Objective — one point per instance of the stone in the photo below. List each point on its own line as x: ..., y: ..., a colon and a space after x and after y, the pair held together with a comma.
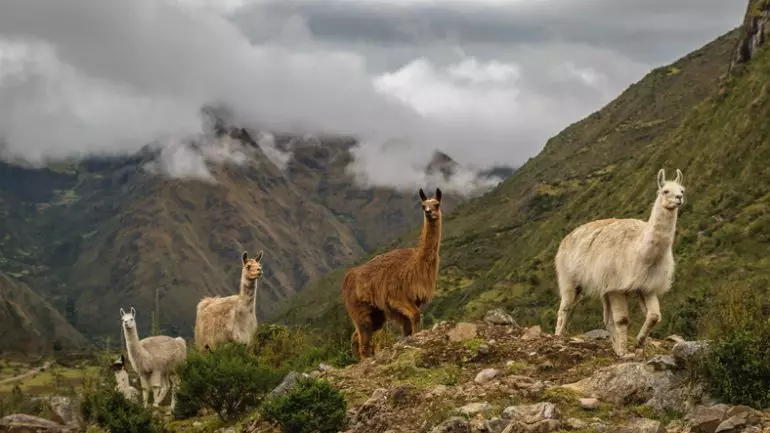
x: 462, y: 331
x: 642, y: 425
x: 663, y: 362
x: 486, y: 375
x: 544, y: 426
x: 471, y: 409
x: 531, y: 413
x: 706, y: 419
x: 499, y: 317
x: 576, y: 424
x: 675, y: 338
x: 483, y: 349
x: 288, y: 383
x: 62, y: 410
x: 401, y: 395
x: 23, y: 423
x: 597, y: 334
x: 689, y: 352
x: 734, y: 424
x: 532, y: 332
x: 589, y: 403
x: 496, y: 425
x: 324, y: 367
x: 453, y: 425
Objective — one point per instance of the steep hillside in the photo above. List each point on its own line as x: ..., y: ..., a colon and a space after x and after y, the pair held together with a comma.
x: 498, y: 249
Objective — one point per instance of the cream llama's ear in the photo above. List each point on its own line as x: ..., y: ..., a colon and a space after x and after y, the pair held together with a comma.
x: 422, y: 195
x: 133, y: 312
x: 661, y: 178
x: 122, y: 313
x: 259, y: 255
x: 438, y: 194
x: 679, y: 176
x: 244, y: 257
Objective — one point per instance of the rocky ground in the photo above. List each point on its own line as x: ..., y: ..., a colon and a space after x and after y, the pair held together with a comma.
x: 494, y: 376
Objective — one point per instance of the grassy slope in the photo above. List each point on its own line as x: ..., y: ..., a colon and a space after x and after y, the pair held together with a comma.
x: 498, y: 249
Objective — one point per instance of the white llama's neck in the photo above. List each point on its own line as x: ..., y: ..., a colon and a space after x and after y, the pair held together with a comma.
x: 136, y: 353
x: 661, y: 228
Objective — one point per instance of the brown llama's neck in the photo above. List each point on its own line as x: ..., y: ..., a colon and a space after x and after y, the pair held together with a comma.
x: 661, y: 229
x: 430, y: 240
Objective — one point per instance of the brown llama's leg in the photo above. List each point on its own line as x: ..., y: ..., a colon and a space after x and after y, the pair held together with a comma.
x: 406, y: 324
x: 365, y: 339
x: 355, y: 347
x: 363, y: 316
x: 413, y: 314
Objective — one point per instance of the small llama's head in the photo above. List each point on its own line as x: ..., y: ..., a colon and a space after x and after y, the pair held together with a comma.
x: 128, y: 318
x: 252, y: 267
x: 431, y: 206
x: 671, y: 192
x: 119, y: 364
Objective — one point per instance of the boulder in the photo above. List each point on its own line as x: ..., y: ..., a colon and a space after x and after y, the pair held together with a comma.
x: 452, y: 425
x: 486, y: 375
x: 23, y: 423
x: 462, y: 331
x: 500, y: 317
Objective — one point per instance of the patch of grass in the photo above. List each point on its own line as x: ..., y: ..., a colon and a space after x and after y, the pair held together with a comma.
x: 516, y: 367
x: 407, y: 369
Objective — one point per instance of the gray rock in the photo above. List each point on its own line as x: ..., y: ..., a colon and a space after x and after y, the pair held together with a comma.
x: 474, y: 408
x: 641, y: 425
x: 288, y: 383
x: 486, y: 375
x: 62, y: 410
x: 706, y: 419
x: 734, y: 424
x: 597, y: 334
x: 663, y: 362
x: 500, y: 317
x: 544, y: 426
x: 462, y: 331
x: 576, y: 423
x: 689, y: 352
x: 532, y: 332
x: 23, y: 423
x: 452, y: 425
x: 496, y: 425
x: 531, y: 413
x: 589, y: 403
x: 675, y: 338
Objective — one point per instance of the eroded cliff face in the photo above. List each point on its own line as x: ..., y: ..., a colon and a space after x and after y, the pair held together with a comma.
x: 755, y: 31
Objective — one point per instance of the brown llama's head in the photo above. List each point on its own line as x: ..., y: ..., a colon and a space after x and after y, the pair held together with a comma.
x: 252, y: 268
x: 431, y: 206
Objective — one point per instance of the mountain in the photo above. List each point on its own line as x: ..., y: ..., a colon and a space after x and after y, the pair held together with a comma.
x: 92, y: 236
x: 498, y: 249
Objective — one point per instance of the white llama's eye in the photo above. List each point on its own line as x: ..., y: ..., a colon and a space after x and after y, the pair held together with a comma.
x: 665, y: 191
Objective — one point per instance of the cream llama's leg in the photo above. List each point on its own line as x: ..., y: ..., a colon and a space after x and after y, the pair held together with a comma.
x: 619, y: 304
x: 570, y: 296
x: 145, y: 382
x: 157, y: 384
x: 652, y: 318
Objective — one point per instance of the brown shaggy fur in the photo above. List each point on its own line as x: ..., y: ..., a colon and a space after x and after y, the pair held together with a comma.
x: 396, y: 284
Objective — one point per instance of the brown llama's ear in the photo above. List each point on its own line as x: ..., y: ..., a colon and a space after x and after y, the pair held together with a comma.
x: 422, y: 195
x: 259, y: 255
x: 438, y: 194
x: 244, y: 257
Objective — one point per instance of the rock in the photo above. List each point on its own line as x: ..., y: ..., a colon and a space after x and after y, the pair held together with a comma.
x: 597, y: 334
x: 500, y: 317
x: 663, y: 362
x: 531, y: 413
x: 315, y: 374
x: 474, y: 408
x: 576, y: 424
x: 589, y: 403
x: 462, y: 331
x: 22, y: 423
x: 401, y: 395
x: 675, y: 338
x: 532, y: 332
x: 484, y: 349
x: 496, y: 425
x: 706, y: 419
x: 544, y: 426
x: 689, y: 352
x: 486, y: 375
x: 288, y: 382
x: 63, y: 413
x: 641, y: 425
x: 734, y: 424
x: 452, y: 425
x: 369, y: 415
x: 324, y: 367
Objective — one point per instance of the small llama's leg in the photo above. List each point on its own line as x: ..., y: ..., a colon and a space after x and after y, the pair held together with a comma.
x: 619, y: 304
x: 570, y: 296
x: 652, y: 318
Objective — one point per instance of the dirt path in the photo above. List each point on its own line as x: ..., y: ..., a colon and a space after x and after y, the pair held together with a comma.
x: 28, y: 373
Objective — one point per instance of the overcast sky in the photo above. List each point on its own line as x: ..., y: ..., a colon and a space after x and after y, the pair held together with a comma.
x: 487, y: 81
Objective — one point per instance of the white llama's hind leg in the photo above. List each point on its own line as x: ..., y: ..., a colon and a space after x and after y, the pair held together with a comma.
x: 619, y: 304
x: 164, y: 388
x: 156, y: 381
x: 145, y: 382
x: 652, y: 317
x: 174, y: 387
x: 570, y: 296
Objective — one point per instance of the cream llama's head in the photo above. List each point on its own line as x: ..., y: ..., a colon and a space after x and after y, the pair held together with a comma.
x: 128, y: 318
x: 252, y: 268
x: 431, y: 206
x: 671, y: 192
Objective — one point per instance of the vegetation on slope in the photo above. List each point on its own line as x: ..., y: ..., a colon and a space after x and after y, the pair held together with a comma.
x: 498, y: 249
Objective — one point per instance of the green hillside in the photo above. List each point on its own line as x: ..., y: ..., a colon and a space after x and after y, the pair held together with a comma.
x: 498, y: 249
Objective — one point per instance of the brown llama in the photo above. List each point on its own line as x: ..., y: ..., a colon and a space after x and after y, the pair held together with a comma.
x: 396, y: 284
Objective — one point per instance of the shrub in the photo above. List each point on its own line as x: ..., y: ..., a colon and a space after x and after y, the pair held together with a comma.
x: 228, y: 380
x: 297, y: 348
x: 103, y: 405
x: 311, y: 406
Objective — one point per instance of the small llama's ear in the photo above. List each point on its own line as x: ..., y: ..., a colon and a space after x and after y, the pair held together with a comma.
x: 679, y: 176
x: 259, y: 255
x: 422, y: 195
x: 133, y: 312
x: 122, y: 359
x: 661, y: 178
x: 438, y: 194
x: 244, y: 257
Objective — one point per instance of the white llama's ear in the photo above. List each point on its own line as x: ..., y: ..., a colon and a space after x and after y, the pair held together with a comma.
x: 438, y: 194
x: 679, y: 176
x: 661, y: 178
x: 122, y: 313
x: 259, y: 255
x: 133, y: 312
x: 422, y: 195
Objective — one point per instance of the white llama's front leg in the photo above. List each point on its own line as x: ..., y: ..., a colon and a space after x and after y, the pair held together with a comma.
x: 570, y: 296
x: 174, y: 388
x: 619, y: 304
x: 652, y: 318
x: 145, y: 382
x: 608, y: 319
x: 157, y: 385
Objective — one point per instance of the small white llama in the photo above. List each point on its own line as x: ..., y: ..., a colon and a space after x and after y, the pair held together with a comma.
x: 620, y: 258
x: 231, y: 318
x: 154, y: 359
x: 122, y: 384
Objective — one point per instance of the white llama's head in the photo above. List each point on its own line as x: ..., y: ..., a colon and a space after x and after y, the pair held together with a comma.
x: 431, y: 206
x: 671, y: 192
x: 252, y: 267
x: 128, y: 318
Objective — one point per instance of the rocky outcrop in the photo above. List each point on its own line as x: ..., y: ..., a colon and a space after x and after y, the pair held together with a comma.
x: 754, y: 32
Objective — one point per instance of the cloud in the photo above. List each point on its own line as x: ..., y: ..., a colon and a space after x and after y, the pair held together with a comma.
x: 486, y: 82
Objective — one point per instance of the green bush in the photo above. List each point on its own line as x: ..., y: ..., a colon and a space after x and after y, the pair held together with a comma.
x: 298, y: 349
x: 103, y: 405
x: 229, y: 380
x: 311, y: 406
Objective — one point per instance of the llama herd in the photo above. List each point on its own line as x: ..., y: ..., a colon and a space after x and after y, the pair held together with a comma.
x: 612, y: 259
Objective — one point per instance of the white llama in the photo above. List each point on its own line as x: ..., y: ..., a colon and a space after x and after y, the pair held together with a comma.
x: 154, y: 359
x: 618, y: 258
x: 122, y: 384
x: 231, y: 318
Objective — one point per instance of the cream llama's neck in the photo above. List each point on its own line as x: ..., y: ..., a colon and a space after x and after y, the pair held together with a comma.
x: 430, y: 240
x: 248, y: 293
x: 661, y: 229
x: 121, y: 378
